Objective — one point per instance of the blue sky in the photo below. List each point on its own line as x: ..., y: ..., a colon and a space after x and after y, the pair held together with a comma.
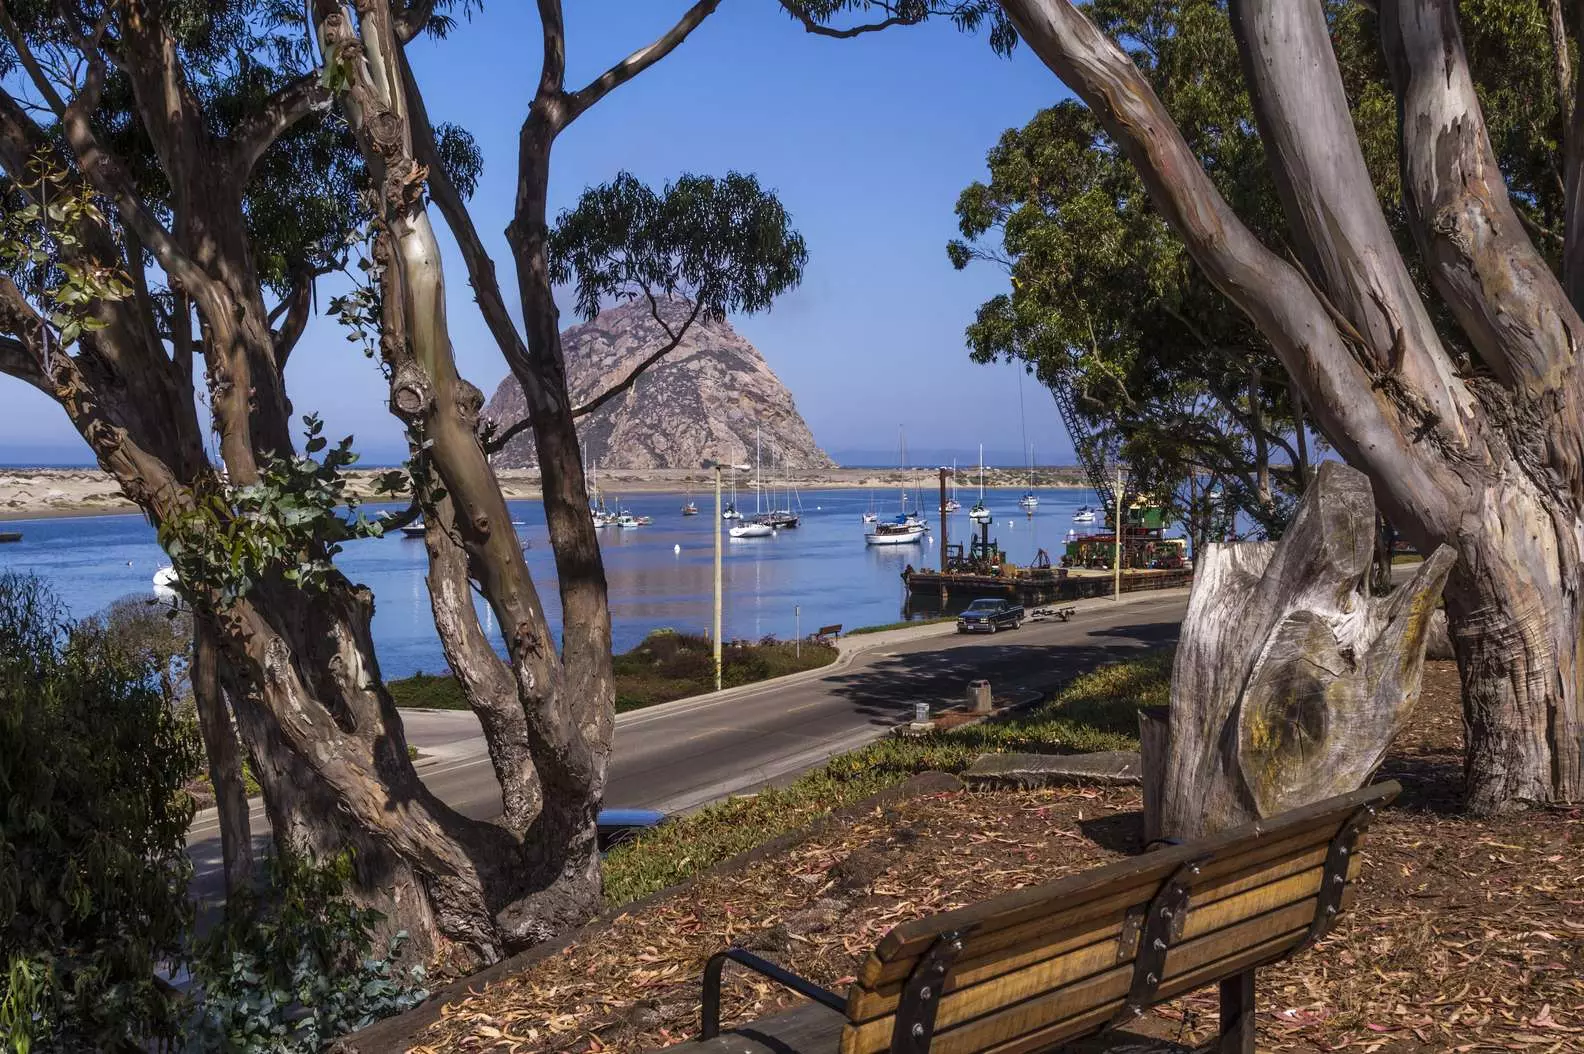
x: 867, y: 142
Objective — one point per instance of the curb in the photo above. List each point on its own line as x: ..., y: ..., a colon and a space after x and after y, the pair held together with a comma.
x: 394, y: 1034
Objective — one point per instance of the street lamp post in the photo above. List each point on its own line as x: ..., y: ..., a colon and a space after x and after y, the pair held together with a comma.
x: 718, y: 522
x: 717, y: 466
x: 1116, y: 563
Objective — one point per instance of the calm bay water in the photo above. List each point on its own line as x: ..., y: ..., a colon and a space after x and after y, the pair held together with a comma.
x: 822, y: 567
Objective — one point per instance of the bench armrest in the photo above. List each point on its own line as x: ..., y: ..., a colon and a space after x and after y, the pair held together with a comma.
x: 712, y: 986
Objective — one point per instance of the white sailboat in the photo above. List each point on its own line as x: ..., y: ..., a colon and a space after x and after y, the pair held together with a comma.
x: 730, y: 511
x: 979, y: 513
x: 756, y: 527
x: 1030, y: 500
x: 871, y: 516
x: 908, y: 527
x: 952, y: 504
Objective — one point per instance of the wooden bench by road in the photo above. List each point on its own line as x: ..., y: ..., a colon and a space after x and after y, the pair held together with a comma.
x: 1038, y: 968
x: 826, y: 634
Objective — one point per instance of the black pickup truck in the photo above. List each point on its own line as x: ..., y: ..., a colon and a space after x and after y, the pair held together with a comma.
x: 988, y: 615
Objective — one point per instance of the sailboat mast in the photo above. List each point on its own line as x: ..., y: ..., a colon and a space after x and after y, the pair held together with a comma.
x: 758, y: 489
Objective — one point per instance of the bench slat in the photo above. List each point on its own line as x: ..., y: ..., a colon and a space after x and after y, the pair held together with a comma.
x: 1050, y: 1007
x: 1219, y: 878
x: 979, y: 989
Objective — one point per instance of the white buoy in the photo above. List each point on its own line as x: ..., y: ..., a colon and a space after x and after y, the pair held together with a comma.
x: 677, y: 548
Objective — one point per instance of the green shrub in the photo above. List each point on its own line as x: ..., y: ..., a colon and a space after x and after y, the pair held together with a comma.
x: 665, y: 665
x: 93, y: 822
x: 292, y: 968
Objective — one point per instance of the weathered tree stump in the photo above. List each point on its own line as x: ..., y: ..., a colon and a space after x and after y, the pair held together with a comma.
x: 1291, y: 679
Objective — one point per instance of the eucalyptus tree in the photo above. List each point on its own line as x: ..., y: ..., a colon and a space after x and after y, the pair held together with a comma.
x: 1105, y: 303
x: 1469, y: 426
x: 175, y: 178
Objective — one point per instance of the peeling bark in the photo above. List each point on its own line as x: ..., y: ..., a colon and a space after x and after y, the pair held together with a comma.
x: 1494, y: 469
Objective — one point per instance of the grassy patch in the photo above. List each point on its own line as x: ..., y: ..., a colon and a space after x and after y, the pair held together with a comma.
x: 900, y: 625
x: 1095, y: 711
x: 665, y: 665
x: 424, y: 691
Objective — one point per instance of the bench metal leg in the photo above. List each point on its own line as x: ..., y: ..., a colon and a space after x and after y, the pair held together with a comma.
x: 712, y: 986
x: 1237, y: 1014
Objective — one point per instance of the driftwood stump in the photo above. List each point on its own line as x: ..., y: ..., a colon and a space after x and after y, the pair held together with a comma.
x: 1290, y: 679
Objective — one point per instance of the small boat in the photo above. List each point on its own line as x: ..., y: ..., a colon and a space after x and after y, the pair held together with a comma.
x: 1030, y: 500
x: 783, y: 519
x: 751, y: 529
x: 980, y: 514
x: 414, y: 529
x: 952, y: 504
x: 10, y: 536
x: 627, y: 519
x: 1086, y: 514
x: 601, y: 518
x: 691, y: 509
x: 895, y: 532
x: 870, y: 517
x: 166, y: 583
x: 730, y: 512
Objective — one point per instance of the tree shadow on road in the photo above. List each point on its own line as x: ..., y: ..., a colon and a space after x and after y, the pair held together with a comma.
x: 886, y: 689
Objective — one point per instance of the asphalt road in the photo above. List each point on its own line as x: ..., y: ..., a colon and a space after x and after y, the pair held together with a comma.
x: 682, y: 755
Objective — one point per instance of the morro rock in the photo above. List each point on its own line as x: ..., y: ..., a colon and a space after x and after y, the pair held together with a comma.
x: 703, y: 400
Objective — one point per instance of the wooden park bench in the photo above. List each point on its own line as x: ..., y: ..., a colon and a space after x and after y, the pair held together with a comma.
x: 826, y: 634
x: 1041, y: 967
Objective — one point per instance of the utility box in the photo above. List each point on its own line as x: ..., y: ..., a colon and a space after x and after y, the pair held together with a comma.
x: 979, y: 697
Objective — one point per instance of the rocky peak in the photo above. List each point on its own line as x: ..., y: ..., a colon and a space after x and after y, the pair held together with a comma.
x: 703, y: 400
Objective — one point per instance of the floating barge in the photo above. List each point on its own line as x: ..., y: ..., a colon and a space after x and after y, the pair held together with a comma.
x: 10, y: 536
x: 1031, y: 586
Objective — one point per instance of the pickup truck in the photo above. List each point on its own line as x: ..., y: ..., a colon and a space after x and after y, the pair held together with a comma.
x: 988, y: 615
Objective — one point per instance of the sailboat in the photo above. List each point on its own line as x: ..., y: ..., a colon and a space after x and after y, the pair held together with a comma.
x: 1085, y: 514
x: 757, y: 527
x: 1030, y: 500
x: 784, y: 517
x: 730, y: 511
x: 871, y: 516
x: 907, y: 527
x: 980, y: 514
x: 952, y: 504
x: 690, y: 508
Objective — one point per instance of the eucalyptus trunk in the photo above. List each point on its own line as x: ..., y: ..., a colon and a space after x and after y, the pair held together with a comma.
x: 1490, y: 466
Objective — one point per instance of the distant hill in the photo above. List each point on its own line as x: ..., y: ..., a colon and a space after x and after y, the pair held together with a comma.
x: 703, y: 400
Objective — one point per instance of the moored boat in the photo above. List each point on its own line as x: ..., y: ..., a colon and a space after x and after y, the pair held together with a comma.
x: 1086, y: 514
x: 895, y: 532
x: 690, y: 509
x: 751, y: 529
x: 10, y: 536
x: 414, y: 529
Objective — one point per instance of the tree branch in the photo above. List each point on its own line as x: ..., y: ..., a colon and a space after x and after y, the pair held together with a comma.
x: 1481, y: 261
x: 638, y: 61
x: 480, y: 267
x: 257, y: 132
x: 1367, y: 424
x: 1561, y: 59
x: 19, y: 355
x: 412, y: 21
x: 810, y: 25
x: 298, y: 304
x: 552, y: 27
